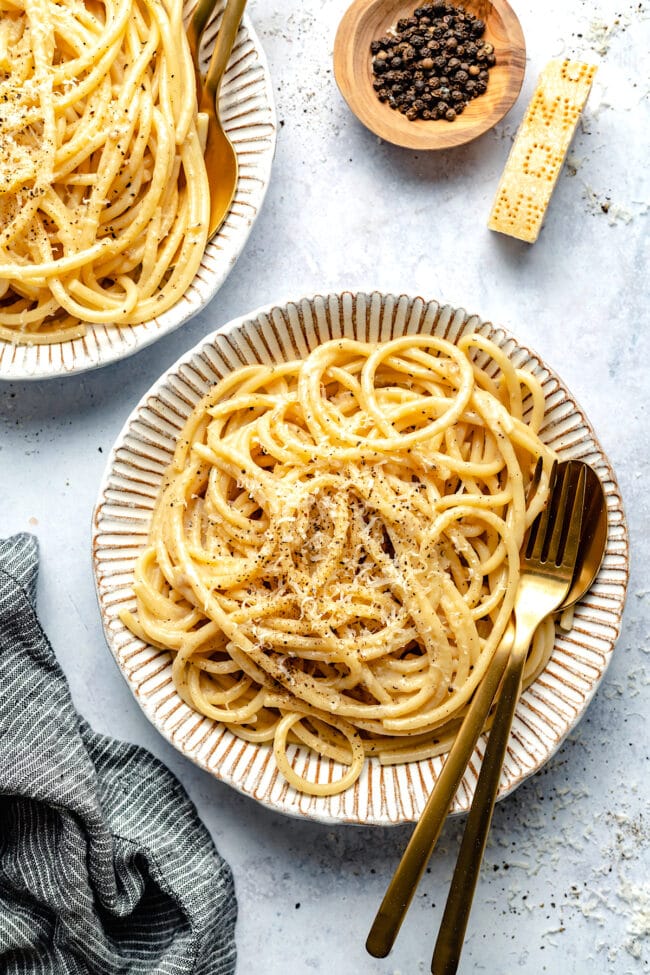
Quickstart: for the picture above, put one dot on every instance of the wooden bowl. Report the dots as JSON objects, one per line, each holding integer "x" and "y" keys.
{"x": 367, "y": 20}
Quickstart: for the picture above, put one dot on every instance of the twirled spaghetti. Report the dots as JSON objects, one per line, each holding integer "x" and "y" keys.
{"x": 334, "y": 553}
{"x": 104, "y": 201}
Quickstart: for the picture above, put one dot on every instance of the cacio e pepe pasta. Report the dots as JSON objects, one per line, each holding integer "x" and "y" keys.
{"x": 334, "y": 552}
{"x": 104, "y": 200}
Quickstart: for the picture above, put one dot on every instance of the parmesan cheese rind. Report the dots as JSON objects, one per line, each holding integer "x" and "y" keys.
{"x": 540, "y": 148}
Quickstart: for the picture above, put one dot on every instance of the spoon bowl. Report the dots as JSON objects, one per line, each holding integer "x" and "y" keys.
{"x": 367, "y": 20}
{"x": 593, "y": 539}
{"x": 220, "y": 156}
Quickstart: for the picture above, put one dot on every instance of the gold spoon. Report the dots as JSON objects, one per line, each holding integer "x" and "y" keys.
{"x": 591, "y": 549}
{"x": 593, "y": 539}
{"x": 220, "y": 156}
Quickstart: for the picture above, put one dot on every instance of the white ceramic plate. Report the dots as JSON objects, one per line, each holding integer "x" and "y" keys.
{"x": 248, "y": 113}
{"x": 548, "y": 710}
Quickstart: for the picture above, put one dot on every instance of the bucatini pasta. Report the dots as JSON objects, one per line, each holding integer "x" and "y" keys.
{"x": 334, "y": 552}
{"x": 104, "y": 201}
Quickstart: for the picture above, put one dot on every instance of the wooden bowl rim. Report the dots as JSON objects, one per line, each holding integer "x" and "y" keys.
{"x": 388, "y": 124}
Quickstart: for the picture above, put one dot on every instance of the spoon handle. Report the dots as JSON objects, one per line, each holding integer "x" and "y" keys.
{"x": 451, "y": 935}
{"x": 228, "y": 28}
{"x": 425, "y": 835}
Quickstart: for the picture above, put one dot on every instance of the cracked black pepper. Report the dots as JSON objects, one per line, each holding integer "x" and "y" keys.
{"x": 432, "y": 64}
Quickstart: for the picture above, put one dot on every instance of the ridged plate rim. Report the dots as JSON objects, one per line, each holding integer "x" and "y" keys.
{"x": 548, "y": 710}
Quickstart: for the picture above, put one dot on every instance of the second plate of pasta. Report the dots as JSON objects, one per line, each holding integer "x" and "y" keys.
{"x": 105, "y": 201}
{"x": 306, "y": 551}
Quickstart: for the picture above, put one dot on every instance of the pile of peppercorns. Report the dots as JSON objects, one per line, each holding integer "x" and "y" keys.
{"x": 433, "y": 63}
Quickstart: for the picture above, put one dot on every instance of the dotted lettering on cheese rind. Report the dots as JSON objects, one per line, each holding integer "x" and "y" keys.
{"x": 539, "y": 150}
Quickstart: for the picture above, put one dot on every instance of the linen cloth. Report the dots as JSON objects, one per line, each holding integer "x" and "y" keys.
{"x": 105, "y": 866}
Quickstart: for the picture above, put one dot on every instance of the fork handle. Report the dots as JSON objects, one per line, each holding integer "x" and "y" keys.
{"x": 424, "y": 837}
{"x": 451, "y": 935}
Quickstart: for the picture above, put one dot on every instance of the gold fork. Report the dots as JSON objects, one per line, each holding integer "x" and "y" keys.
{"x": 424, "y": 837}
{"x": 547, "y": 570}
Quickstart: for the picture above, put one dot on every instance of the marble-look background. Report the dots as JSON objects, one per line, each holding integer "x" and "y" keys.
{"x": 565, "y": 883}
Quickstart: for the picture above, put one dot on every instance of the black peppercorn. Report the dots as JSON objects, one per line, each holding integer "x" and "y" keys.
{"x": 434, "y": 63}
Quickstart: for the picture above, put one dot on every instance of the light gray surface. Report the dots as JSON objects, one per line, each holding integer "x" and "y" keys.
{"x": 565, "y": 884}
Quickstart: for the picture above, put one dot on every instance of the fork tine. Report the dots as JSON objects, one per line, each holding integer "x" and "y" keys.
{"x": 572, "y": 540}
{"x": 560, "y": 505}
{"x": 537, "y": 532}
{"x": 535, "y": 479}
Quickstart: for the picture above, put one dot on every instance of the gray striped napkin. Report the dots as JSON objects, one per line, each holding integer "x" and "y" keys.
{"x": 105, "y": 866}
